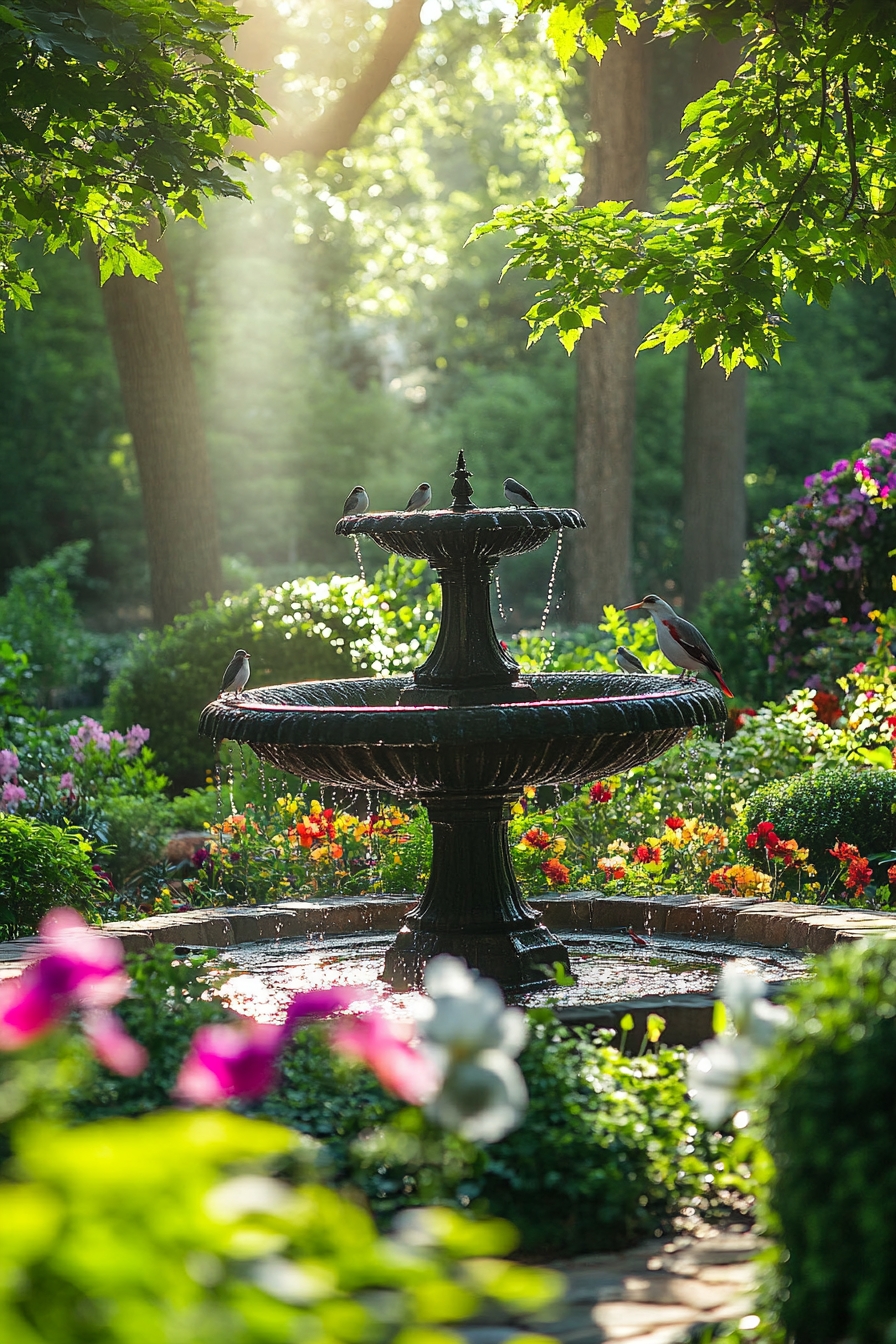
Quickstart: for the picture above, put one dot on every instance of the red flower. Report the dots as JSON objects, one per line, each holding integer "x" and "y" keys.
{"x": 891, "y": 875}
{"x": 844, "y": 853}
{"x": 647, "y": 854}
{"x": 675, "y": 823}
{"x": 537, "y": 839}
{"x": 858, "y": 876}
{"x": 556, "y": 872}
{"x": 891, "y": 724}
{"x": 763, "y": 837}
{"x": 827, "y": 707}
{"x": 600, "y": 793}
{"x": 743, "y": 714}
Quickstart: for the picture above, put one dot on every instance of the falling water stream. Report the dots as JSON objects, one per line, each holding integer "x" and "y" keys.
{"x": 361, "y": 569}
{"x": 551, "y": 582}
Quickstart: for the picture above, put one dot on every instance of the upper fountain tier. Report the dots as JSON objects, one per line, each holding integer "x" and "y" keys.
{"x": 469, "y": 665}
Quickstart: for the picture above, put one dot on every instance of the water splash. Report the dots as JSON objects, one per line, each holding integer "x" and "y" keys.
{"x": 551, "y": 582}
{"x": 219, "y": 792}
{"x": 230, "y": 796}
{"x": 361, "y": 569}
{"x": 501, "y": 610}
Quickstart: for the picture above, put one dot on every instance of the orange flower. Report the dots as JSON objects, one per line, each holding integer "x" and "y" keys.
{"x": 612, "y": 868}
{"x": 675, "y": 823}
{"x": 827, "y": 707}
{"x": 536, "y": 839}
{"x": 556, "y": 872}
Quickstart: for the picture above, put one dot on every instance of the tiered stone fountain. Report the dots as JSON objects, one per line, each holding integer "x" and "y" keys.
{"x": 465, "y": 734}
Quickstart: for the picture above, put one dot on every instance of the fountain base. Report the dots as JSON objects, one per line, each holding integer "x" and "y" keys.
{"x": 473, "y": 906}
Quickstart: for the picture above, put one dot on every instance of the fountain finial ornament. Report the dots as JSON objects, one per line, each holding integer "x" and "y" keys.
{"x": 461, "y": 490}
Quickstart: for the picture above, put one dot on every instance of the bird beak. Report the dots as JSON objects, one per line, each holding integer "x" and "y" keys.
{"x": 634, "y": 606}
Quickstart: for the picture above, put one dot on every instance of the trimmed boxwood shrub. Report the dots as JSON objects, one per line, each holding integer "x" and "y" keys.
{"x": 831, "y": 1089}
{"x": 171, "y": 674}
{"x": 42, "y": 866}
{"x": 307, "y": 630}
{"x": 820, "y": 807}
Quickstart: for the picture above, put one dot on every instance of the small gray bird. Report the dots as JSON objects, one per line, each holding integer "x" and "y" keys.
{"x": 357, "y": 502}
{"x": 518, "y": 495}
{"x": 237, "y": 674}
{"x": 420, "y": 499}
{"x": 628, "y": 661}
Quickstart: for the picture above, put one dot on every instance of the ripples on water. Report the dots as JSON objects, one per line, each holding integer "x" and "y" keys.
{"x": 607, "y": 966}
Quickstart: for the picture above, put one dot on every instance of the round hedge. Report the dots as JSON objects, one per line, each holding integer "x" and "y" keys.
{"x": 831, "y": 1090}
{"x": 820, "y": 807}
{"x": 171, "y": 674}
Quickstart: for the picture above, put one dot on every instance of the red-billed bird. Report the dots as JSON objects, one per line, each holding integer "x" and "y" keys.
{"x": 681, "y": 642}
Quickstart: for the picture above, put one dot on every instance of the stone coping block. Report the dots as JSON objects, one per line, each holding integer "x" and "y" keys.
{"x": 807, "y": 928}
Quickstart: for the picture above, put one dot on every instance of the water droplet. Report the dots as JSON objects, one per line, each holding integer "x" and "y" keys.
{"x": 360, "y": 561}
{"x": 502, "y": 612}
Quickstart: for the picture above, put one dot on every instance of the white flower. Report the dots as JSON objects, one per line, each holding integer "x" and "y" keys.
{"x": 482, "y": 1098}
{"x": 718, "y": 1068}
{"x": 474, "y": 1039}
{"x": 715, "y": 1071}
{"x": 465, "y": 1014}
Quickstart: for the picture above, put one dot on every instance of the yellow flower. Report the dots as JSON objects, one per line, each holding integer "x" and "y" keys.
{"x": 559, "y": 844}
{"x": 516, "y": 810}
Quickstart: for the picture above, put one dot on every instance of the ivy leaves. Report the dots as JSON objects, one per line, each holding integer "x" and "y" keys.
{"x": 113, "y": 111}
{"x": 788, "y": 180}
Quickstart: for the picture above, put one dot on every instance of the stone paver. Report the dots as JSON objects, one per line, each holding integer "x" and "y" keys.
{"x": 657, "y": 1295}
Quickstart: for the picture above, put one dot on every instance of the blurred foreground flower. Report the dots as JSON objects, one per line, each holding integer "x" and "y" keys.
{"x": 230, "y": 1061}
{"x": 474, "y": 1039}
{"x": 76, "y": 967}
{"x": 384, "y": 1048}
{"x": 718, "y": 1068}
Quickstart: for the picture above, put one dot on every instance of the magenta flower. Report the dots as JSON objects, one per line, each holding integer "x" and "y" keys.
{"x": 76, "y": 968}
{"x": 111, "y": 1043}
{"x": 66, "y": 782}
{"x": 9, "y": 765}
{"x": 11, "y": 795}
{"x": 382, "y": 1045}
{"x": 225, "y": 1061}
{"x": 316, "y": 1003}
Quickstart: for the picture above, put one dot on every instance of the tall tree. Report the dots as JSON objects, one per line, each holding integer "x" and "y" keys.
{"x": 615, "y": 170}
{"x": 715, "y": 420}
{"x": 152, "y": 353}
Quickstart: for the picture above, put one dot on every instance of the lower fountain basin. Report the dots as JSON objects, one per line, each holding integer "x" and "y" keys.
{"x": 357, "y": 734}
{"x": 466, "y": 763}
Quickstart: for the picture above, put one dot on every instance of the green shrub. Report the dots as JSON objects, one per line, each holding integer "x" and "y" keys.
{"x": 820, "y": 807}
{"x": 170, "y": 998}
{"x": 136, "y": 830}
{"x": 302, "y": 631}
{"x": 831, "y": 1090}
{"x": 170, "y": 675}
{"x": 43, "y": 866}
{"x": 609, "y": 1150}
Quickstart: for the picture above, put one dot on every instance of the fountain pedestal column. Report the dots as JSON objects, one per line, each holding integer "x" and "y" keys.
{"x": 473, "y": 906}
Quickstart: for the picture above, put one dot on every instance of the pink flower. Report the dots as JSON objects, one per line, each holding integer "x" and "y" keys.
{"x": 111, "y": 1043}
{"x": 383, "y": 1047}
{"x": 77, "y": 968}
{"x": 315, "y": 1003}
{"x": 134, "y": 739}
{"x": 11, "y": 796}
{"x": 67, "y": 782}
{"x": 9, "y": 765}
{"x": 238, "y": 1060}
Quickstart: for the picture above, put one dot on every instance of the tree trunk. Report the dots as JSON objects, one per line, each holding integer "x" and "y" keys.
{"x": 615, "y": 169}
{"x": 715, "y": 424}
{"x": 715, "y": 453}
{"x": 162, "y": 408}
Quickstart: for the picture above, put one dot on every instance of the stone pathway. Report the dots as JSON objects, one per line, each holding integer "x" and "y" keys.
{"x": 659, "y": 1293}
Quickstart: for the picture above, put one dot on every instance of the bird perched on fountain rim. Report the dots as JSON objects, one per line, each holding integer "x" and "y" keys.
{"x": 681, "y": 642}
{"x": 357, "y": 502}
{"x": 237, "y": 674}
{"x": 518, "y": 495}
{"x": 628, "y": 661}
{"x": 420, "y": 499}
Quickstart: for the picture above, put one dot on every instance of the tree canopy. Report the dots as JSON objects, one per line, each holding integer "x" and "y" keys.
{"x": 787, "y": 182}
{"x": 112, "y": 110}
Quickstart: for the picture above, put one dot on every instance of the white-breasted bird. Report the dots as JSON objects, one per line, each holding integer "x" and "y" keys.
{"x": 681, "y": 642}
{"x": 420, "y": 498}
{"x": 518, "y": 495}
{"x": 237, "y": 674}
{"x": 628, "y": 661}
{"x": 357, "y": 502}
